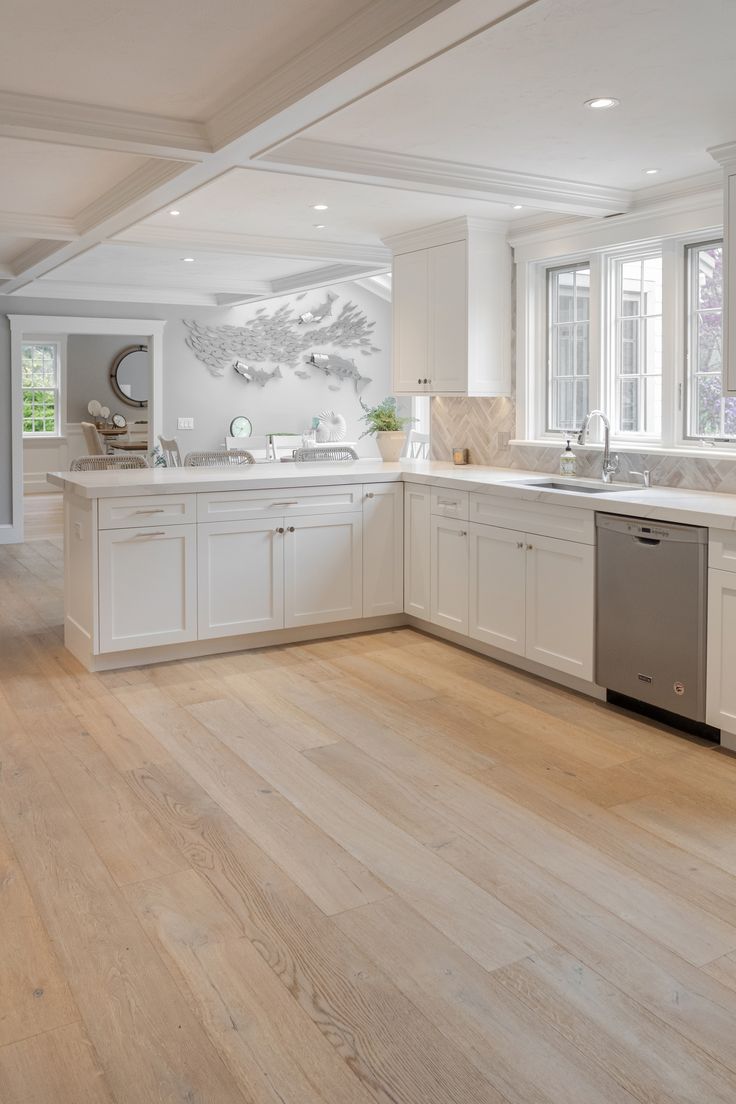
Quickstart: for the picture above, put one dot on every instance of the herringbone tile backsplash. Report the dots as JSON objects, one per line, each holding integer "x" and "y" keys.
{"x": 485, "y": 427}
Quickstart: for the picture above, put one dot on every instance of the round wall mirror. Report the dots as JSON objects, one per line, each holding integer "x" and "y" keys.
{"x": 130, "y": 375}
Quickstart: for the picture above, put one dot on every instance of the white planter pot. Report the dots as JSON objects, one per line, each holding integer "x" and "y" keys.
{"x": 390, "y": 445}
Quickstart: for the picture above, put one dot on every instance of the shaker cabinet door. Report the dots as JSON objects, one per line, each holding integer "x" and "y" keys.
{"x": 383, "y": 549}
{"x": 498, "y": 587}
{"x": 323, "y": 576}
{"x": 240, "y": 577}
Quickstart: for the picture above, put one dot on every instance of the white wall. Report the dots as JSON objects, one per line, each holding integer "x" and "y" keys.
{"x": 189, "y": 389}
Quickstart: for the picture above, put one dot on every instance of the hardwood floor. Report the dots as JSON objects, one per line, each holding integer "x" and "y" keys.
{"x": 378, "y": 870}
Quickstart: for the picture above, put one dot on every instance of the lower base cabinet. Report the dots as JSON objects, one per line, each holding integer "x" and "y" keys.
{"x": 529, "y": 595}
{"x": 323, "y": 577}
{"x": 383, "y": 549}
{"x": 721, "y": 692}
{"x": 417, "y": 536}
{"x": 147, "y": 587}
{"x": 240, "y": 585}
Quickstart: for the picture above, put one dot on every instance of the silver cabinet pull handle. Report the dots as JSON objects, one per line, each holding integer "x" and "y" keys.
{"x": 159, "y": 533}
{"x": 295, "y": 503}
{"x": 157, "y": 510}
{"x": 447, "y": 502}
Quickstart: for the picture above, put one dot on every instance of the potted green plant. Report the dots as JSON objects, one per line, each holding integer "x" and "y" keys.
{"x": 387, "y": 426}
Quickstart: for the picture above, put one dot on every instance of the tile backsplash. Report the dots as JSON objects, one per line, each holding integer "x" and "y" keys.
{"x": 486, "y": 426}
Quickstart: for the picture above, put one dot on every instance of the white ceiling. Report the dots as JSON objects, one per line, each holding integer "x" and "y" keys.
{"x": 512, "y": 98}
{"x": 395, "y": 113}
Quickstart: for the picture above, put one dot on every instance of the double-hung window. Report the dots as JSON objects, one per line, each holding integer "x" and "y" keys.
{"x": 636, "y": 346}
{"x": 709, "y": 414}
{"x": 568, "y": 346}
{"x": 41, "y": 384}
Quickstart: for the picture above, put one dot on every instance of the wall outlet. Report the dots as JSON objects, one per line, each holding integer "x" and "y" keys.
{"x": 185, "y": 423}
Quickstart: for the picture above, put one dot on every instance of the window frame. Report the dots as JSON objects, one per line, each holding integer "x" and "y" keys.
{"x": 549, "y": 274}
{"x": 690, "y": 250}
{"x": 59, "y": 431}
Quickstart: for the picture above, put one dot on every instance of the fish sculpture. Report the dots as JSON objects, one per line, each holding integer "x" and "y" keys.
{"x": 340, "y": 368}
{"x": 256, "y": 375}
{"x": 319, "y": 313}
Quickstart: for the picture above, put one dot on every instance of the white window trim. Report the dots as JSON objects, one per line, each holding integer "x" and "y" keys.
{"x": 597, "y": 246}
{"x": 60, "y": 341}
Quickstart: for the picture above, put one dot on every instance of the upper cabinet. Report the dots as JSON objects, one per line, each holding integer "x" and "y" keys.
{"x": 726, "y": 156}
{"x": 452, "y": 310}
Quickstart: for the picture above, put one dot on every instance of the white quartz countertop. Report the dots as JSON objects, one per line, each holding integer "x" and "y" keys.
{"x": 659, "y": 503}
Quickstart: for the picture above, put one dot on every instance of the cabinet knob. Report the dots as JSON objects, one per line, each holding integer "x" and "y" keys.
{"x": 279, "y": 530}
{"x": 519, "y": 544}
{"x": 419, "y": 381}
{"x": 425, "y": 381}
{"x": 290, "y": 529}
{"x": 530, "y": 548}
{"x": 462, "y": 533}
{"x": 369, "y": 494}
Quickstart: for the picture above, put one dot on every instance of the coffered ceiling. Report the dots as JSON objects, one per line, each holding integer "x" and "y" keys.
{"x": 394, "y": 114}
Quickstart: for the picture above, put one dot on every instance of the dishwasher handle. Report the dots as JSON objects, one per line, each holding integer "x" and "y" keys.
{"x": 647, "y": 540}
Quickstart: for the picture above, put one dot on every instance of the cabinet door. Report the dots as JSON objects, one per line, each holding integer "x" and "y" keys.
{"x": 417, "y": 519}
{"x": 497, "y": 604}
{"x": 148, "y": 587}
{"x": 383, "y": 549}
{"x": 449, "y": 563}
{"x": 721, "y": 692}
{"x": 448, "y": 315}
{"x": 560, "y": 604}
{"x": 410, "y": 322}
{"x": 323, "y": 575}
{"x": 240, "y": 576}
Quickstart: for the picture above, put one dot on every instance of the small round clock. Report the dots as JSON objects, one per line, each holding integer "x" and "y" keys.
{"x": 241, "y": 426}
{"x": 118, "y": 420}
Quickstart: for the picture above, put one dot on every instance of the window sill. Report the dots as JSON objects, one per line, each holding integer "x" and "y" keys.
{"x": 701, "y": 452}
{"x": 43, "y": 438}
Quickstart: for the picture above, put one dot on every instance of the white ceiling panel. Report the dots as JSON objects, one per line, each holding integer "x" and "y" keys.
{"x": 512, "y": 98}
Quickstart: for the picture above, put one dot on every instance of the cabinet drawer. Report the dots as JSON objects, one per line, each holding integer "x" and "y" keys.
{"x": 452, "y": 504}
{"x": 241, "y": 505}
{"x": 545, "y": 518}
{"x": 722, "y": 549}
{"x": 141, "y": 510}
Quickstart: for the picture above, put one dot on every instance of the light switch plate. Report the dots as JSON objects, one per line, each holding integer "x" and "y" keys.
{"x": 185, "y": 423}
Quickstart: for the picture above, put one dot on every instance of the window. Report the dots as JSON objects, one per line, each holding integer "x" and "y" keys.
{"x": 637, "y": 346}
{"x": 709, "y": 413}
{"x": 568, "y": 346}
{"x": 41, "y": 371}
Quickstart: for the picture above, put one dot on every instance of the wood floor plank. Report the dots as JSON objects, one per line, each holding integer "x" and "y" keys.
{"x": 487, "y": 930}
{"x": 650, "y": 1059}
{"x": 326, "y": 871}
{"x": 134, "y": 1014}
{"x": 395, "y": 1052}
{"x": 34, "y": 995}
{"x": 57, "y": 1067}
{"x": 265, "y": 1038}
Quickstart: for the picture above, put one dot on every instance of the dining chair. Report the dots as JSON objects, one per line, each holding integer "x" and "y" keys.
{"x": 171, "y": 451}
{"x": 224, "y": 458}
{"x": 416, "y": 446}
{"x": 324, "y": 452}
{"x": 108, "y": 463}
{"x": 259, "y": 447}
{"x": 93, "y": 440}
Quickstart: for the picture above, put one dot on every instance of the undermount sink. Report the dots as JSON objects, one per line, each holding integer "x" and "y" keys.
{"x": 575, "y": 488}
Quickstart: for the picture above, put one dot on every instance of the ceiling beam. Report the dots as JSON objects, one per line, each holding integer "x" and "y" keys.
{"x": 256, "y": 245}
{"x": 451, "y": 178}
{"x": 19, "y": 225}
{"x": 377, "y": 45}
{"x": 39, "y": 119}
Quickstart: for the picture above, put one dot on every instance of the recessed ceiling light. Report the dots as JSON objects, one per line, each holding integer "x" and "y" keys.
{"x": 651, "y": 172}
{"x": 188, "y": 260}
{"x": 517, "y": 207}
{"x": 174, "y": 212}
{"x": 319, "y": 206}
{"x": 320, "y": 226}
{"x": 600, "y": 103}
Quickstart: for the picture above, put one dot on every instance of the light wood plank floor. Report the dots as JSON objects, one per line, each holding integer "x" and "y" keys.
{"x": 379, "y": 870}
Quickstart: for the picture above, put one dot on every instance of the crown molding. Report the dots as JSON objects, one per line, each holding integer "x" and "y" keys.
{"x": 441, "y": 233}
{"x": 209, "y": 241}
{"x": 34, "y": 254}
{"x": 454, "y": 178}
{"x": 115, "y": 293}
{"x": 40, "y": 119}
{"x": 145, "y": 179}
{"x": 318, "y": 277}
{"x": 725, "y": 155}
{"x": 51, "y": 227}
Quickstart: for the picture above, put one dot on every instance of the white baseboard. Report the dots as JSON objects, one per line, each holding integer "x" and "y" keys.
{"x": 11, "y": 534}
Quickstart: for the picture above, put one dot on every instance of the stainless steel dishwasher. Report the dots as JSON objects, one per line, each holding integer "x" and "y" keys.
{"x": 652, "y": 581}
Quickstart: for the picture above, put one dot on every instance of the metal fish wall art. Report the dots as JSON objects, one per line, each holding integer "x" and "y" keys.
{"x": 256, "y": 375}
{"x": 319, "y": 313}
{"x": 340, "y": 368}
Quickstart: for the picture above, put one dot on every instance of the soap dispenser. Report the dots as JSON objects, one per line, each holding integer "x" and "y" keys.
{"x": 568, "y": 461}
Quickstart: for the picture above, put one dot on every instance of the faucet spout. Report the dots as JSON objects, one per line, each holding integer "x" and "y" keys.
{"x": 610, "y": 463}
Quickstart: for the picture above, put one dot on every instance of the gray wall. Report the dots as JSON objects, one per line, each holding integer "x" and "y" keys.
{"x": 88, "y": 361}
{"x": 286, "y": 405}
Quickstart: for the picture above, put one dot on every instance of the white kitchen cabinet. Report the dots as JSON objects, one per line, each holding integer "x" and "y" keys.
{"x": 721, "y": 684}
{"x": 323, "y": 576}
{"x": 498, "y": 565}
{"x": 449, "y": 574}
{"x": 417, "y": 536}
{"x": 560, "y": 604}
{"x": 147, "y": 586}
{"x": 383, "y": 549}
{"x": 240, "y": 577}
{"x": 451, "y": 307}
